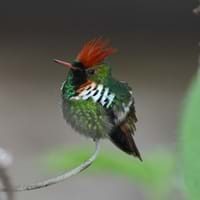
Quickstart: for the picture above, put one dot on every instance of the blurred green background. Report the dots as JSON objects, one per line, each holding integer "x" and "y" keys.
{"x": 157, "y": 42}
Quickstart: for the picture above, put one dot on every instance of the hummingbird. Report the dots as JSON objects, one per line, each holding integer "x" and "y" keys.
{"x": 96, "y": 104}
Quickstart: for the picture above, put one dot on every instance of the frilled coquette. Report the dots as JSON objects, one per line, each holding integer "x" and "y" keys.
{"x": 96, "y": 104}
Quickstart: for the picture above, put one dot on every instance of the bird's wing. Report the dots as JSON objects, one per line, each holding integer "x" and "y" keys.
{"x": 123, "y": 104}
{"x": 123, "y": 116}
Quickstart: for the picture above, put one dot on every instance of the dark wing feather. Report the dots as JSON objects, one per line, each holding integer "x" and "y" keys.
{"x": 122, "y": 134}
{"x": 123, "y": 117}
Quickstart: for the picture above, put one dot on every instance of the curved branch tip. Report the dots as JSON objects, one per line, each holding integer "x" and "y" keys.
{"x": 61, "y": 178}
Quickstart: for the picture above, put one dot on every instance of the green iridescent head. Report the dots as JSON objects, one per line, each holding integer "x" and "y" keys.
{"x": 99, "y": 74}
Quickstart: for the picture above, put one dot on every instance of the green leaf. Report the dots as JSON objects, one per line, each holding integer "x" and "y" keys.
{"x": 190, "y": 141}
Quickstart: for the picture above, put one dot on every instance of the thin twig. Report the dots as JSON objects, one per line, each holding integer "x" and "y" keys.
{"x": 60, "y": 178}
{"x": 198, "y": 64}
{"x": 5, "y": 162}
{"x": 5, "y": 179}
{"x": 196, "y": 11}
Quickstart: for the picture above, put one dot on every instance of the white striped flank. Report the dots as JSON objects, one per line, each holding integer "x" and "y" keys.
{"x": 98, "y": 93}
{"x": 88, "y": 91}
{"x": 123, "y": 113}
{"x": 104, "y": 96}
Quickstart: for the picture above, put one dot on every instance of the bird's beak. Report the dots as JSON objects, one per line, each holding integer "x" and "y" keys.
{"x": 66, "y": 64}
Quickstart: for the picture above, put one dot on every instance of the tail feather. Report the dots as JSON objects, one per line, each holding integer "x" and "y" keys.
{"x": 124, "y": 140}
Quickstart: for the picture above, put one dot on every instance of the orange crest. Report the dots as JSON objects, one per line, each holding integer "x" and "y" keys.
{"x": 94, "y": 52}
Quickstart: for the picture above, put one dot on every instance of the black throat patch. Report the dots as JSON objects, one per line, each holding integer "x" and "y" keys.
{"x": 79, "y": 74}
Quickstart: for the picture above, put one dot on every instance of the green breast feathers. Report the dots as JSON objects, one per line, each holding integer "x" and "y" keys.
{"x": 93, "y": 109}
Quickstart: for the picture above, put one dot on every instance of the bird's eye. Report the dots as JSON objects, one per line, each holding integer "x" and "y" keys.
{"x": 91, "y": 72}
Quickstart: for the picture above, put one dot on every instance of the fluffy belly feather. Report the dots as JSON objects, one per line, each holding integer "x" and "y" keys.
{"x": 87, "y": 117}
